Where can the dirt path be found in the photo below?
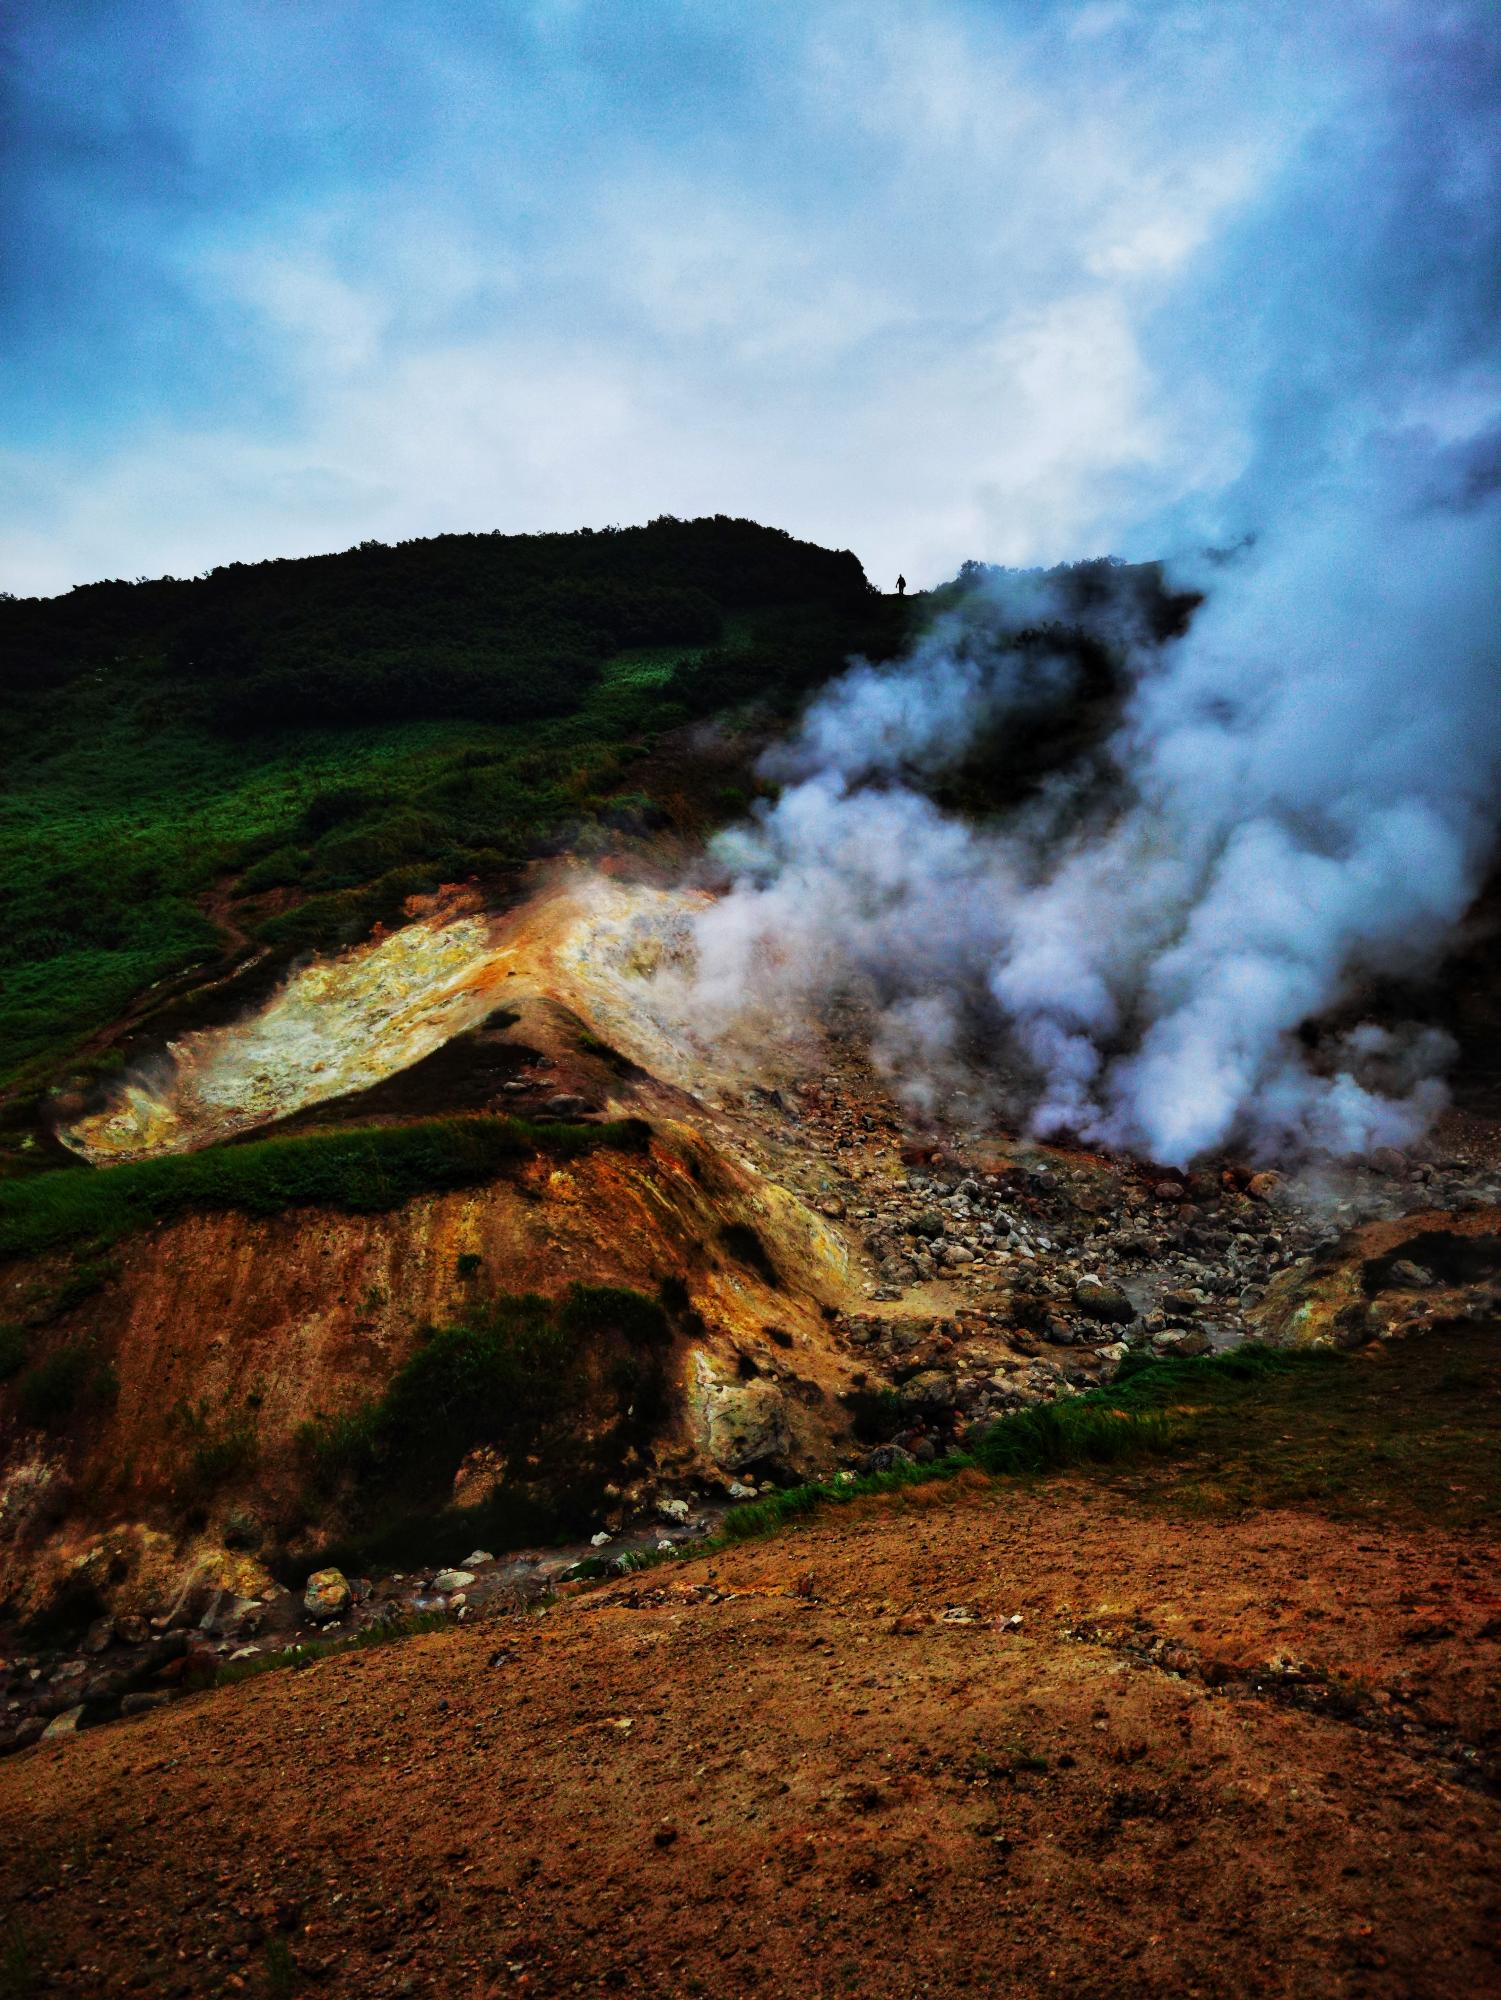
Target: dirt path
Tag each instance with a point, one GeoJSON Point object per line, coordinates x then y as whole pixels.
{"type": "Point", "coordinates": [1213, 1759]}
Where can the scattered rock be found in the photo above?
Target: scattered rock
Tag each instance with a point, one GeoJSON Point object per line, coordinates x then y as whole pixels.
{"type": "Point", "coordinates": [1406, 1276]}
{"type": "Point", "coordinates": [99, 1635]}
{"type": "Point", "coordinates": [326, 1596]}
{"type": "Point", "coordinates": [740, 1424]}
{"type": "Point", "coordinates": [933, 1389]}
{"type": "Point", "coordinates": [886, 1458]}
{"type": "Point", "coordinates": [142, 1704]}
{"type": "Point", "coordinates": [1104, 1302]}
{"type": "Point", "coordinates": [63, 1724]}
{"type": "Point", "coordinates": [456, 1579]}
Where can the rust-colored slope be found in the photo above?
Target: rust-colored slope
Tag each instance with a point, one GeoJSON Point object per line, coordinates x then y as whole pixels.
{"type": "Point", "coordinates": [785, 1772]}
{"type": "Point", "coordinates": [222, 1314]}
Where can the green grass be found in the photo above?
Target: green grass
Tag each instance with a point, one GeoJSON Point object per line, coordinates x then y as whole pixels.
{"type": "Point", "coordinates": [279, 1970]}
{"type": "Point", "coordinates": [1409, 1434]}
{"type": "Point", "coordinates": [645, 667]}
{"type": "Point", "coordinates": [220, 1448]}
{"type": "Point", "coordinates": [362, 1169]}
{"type": "Point", "coordinates": [308, 1652]}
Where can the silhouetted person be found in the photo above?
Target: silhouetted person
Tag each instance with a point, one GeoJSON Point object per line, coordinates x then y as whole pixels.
{"type": "Point", "coordinates": [901, 586]}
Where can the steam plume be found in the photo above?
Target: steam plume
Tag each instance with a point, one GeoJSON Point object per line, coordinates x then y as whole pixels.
{"type": "Point", "coordinates": [1302, 790]}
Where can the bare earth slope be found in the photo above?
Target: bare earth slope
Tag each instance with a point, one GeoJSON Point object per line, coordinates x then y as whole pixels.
{"type": "Point", "coordinates": [1215, 1757]}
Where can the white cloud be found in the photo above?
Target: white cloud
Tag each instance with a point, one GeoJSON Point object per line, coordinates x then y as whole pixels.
{"type": "Point", "coordinates": [905, 301]}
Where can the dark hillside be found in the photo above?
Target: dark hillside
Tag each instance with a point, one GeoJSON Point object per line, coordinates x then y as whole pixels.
{"type": "Point", "coordinates": [425, 627]}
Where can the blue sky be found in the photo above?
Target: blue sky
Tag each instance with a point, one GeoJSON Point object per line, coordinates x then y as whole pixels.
{"type": "Point", "coordinates": [942, 279]}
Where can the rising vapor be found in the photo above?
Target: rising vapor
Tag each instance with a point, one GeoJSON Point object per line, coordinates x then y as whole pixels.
{"type": "Point", "coordinates": [1300, 793]}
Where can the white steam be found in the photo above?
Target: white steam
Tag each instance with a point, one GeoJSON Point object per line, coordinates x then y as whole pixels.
{"type": "Point", "coordinates": [1301, 793]}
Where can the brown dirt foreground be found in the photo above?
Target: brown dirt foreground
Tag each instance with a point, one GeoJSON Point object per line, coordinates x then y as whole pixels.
{"type": "Point", "coordinates": [782, 1771]}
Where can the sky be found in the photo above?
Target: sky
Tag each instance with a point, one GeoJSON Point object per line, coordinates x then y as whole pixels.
{"type": "Point", "coordinates": [1001, 279]}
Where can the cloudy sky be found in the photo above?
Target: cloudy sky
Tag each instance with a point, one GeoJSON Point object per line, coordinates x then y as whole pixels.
{"type": "Point", "coordinates": [948, 278]}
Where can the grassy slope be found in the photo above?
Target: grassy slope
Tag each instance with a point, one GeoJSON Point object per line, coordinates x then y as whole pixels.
{"type": "Point", "coordinates": [369, 1168]}
{"type": "Point", "coordinates": [135, 817]}
{"type": "Point", "coordinates": [129, 791]}
{"type": "Point", "coordinates": [1413, 1437]}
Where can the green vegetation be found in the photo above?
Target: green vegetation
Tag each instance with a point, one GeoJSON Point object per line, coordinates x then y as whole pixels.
{"type": "Point", "coordinates": [362, 1168]}
{"type": "Point", "coordinates": [1092, 1429]}
{"type": "Point", "coordinates": [279, 1970]}
{"type": "Point", "coordinates": [1414, 1438]}
{"type": "Point", "coordinates": [308, 1652]}
{"type": "Point", "coordinates": [62, 1383]}
{"type": "Point", "coordinates": [79, 1283]}
{"type": "Point", "coordinates": [310, 743]}
{"type": "Point", "coordinates": [1410, 1434]}
{"type": "Point", "coordinates": [221, 1447]}
{"type": "Point", "coordinates": [513, 1376]}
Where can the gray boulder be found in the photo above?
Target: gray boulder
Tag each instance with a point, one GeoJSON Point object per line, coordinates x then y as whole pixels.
{"type": "Point", "coordinates": [1103, 1302]}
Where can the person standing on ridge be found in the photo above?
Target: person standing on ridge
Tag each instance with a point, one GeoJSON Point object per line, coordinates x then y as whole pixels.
{"type": "Point", "coordinates": [901, 586]}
